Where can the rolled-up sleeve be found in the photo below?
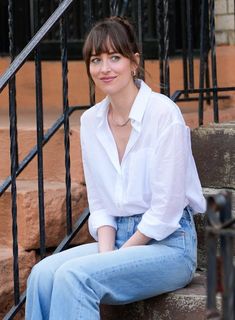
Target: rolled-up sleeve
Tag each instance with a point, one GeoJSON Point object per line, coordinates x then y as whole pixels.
{"type": "Point", "coordinates": [168, 183]}
{"type": "Point", "coordinates": [98, 215]}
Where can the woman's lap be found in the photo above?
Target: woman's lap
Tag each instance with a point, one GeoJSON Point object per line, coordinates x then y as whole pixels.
{"type": "Point", "coordinates": [132, 273]}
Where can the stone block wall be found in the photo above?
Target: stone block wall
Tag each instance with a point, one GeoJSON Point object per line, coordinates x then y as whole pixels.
{"type": "Point", "coordinates": [224, 22]}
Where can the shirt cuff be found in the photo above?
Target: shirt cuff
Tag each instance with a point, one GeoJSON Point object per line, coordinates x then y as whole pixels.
{"type": "Point", "coordinates": [157, 230]}
{"type": "Point", "coordinates": [99, 219]}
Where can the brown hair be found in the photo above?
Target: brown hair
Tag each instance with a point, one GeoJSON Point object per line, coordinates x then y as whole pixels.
{"type": "Point", "coordinates": [116, 32]}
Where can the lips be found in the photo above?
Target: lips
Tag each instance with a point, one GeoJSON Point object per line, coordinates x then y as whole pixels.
{"type": "Point", "coordinates": [107, 79]}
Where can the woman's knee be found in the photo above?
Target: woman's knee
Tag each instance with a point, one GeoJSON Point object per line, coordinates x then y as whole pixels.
{"type": "Point", "coordinates": [41, 274]}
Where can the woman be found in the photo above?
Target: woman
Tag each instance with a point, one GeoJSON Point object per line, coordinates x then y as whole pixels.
{"type": "Point", "coordinates": [142, 188]}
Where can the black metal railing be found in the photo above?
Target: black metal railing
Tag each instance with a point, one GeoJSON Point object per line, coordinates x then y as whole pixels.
{"type": "Point", "coordinates": [207, 90]}
{"type": "Point", "coordinates": [8, 78]}
{"type": "Point", "coordinates": [220, 249]}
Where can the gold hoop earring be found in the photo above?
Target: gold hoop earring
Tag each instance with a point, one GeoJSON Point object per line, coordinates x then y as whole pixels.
{"type": "Point", "coordinates": [133, 73]}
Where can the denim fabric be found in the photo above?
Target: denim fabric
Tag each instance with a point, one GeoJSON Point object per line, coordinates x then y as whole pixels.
{"type": "Point", "coordinates": [71, 285]}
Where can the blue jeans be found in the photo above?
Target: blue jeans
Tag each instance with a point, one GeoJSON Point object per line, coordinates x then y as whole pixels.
{"type": "Point", "coordinates": [71, 285]}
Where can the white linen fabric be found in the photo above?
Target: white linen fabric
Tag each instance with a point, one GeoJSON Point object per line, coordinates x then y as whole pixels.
{"type": "Point", "coordinates": [157, 175]}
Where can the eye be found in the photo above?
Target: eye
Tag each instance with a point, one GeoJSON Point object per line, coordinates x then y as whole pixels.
{"type": "Point", "coordinates": [115, 58]}
{"type": "Point", "coordinates": [95, 60]}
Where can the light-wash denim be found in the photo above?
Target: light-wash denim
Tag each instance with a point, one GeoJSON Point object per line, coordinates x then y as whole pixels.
{"type": "Point", "coordinates": [72, 284]}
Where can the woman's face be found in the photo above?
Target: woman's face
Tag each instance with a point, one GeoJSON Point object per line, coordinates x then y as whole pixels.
{"type": "Point", "coordinates": [111, 72]}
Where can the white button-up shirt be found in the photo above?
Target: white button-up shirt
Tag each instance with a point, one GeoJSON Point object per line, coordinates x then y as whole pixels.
{"type": "Point", "coordinates": [157, 175]}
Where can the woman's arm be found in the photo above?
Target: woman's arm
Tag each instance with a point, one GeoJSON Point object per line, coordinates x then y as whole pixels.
{"type": "Point", "coordinates": [137, 239]}
{"type": "Point", "coordinates": [106, 238]}
{"type": "Point", "coordinates": [99, 217]}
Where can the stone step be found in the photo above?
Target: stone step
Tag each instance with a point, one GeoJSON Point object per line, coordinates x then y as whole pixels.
{"type": "Point", "coordinates": [188, 303]}
{"type": "Point", "coordinates": [26, 262]}
{"type": "Point", "coordinates": [27, 213]}
{"type": "Point", "coordinates": [53, 153]}
{"type": "Point", "coordinates": [214, 152]}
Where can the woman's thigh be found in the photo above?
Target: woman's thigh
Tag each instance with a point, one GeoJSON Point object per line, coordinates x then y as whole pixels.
{"type": "Point", "coordinates": [53, 262]}
{"type": "Point", "coordinates": [130, 274]}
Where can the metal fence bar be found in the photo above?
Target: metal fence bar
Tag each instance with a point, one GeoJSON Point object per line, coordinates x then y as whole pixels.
{"type": "Point", "coordinates": [213, 60]}
{"type": "Point", "coordinates": [160, 29]}
{"type": "Point", "coordinates": [221, 226]}
{"type": "Point", "coordinates": [227, 263]}
{"type": "Point", "coordinates": [89, 21]}
{"type": "Point", "coordinates": [202, 61]}
{"type": "Point", "coordinates": [40, 134]}
{"type": "Point", "coordinates": [211, 275]}
{"type": "Point", "coordinates": [206, 53]}
{"type": "Point", "coordinates": [64, 60]}
{"type": "Point", "coordinates": [13, 153]}
{"type": "Point", "coordinates": [190, 43]}
{"type": "Point", "coordinates": [184, 46]}
{"type": "Point", "coordinates": [140, 33]}
{"type": "Point", "coordinates": [166, 48]}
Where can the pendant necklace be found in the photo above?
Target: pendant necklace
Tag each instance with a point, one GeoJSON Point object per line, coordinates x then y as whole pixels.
{"type": "Point", "coordinates": [118, 124]}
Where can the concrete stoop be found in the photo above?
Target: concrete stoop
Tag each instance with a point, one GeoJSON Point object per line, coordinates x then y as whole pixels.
{"type": "Point", "coordinates": [28, 213]}
{"type": "Point", "coordinates": [214, 152]}
{"type": "Point", "coordinates": [187, 303]}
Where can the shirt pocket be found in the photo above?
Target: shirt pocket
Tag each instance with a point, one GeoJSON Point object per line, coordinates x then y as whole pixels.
{"type": "Point", "coordinates": [138, 184]}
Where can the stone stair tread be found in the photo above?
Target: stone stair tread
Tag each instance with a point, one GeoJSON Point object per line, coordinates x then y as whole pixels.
{"type": "Point", "coordinates": [230, 124]}
{"type": "Point", "coordinates": [32, 185]}
{"type": "Point", "coordinates": [187, 303]}
{"type": "Point", "coordinates": [54, 213]}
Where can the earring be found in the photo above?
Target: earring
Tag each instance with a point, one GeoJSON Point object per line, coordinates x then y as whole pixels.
{"type": "Point", "coordinates": [133, 73]}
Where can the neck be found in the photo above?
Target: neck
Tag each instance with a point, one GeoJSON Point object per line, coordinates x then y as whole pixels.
{"type": "Point", "coordinates": [122, 102]}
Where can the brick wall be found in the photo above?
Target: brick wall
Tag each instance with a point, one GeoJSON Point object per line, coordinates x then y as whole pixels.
{"type": "Point", "coordinates": [224, 22]}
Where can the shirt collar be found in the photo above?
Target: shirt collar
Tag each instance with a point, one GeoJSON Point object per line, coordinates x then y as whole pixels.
{"type": "Point", "coordinates": [137, 110]}
{"type": "Point", "coordinates": [102, 110]}
{"type": "Point", "coordinates": [140, 104]}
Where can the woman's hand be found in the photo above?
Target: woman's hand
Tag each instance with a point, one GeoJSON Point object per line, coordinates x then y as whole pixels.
{"type": "Point", "coordinates": [106, 238]}
{"type": "Point", "coordinates": [137, 239]}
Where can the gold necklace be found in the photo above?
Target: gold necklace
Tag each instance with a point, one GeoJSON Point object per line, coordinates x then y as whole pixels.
{"type": "Point", "coordinates": [118, 124]}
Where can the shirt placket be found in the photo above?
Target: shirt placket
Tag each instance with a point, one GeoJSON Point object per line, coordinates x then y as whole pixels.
{"type": "Point", "coordinates": [119, 190]}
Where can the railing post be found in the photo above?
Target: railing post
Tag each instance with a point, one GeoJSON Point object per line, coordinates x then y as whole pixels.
{"type": "Point", "coordinates": [227, 263]}
{"type": "Point", "coordinates": [40, 133]}
{"type": "Point", "coordinates": [184, 46]}
{"type": "Point", "coordinates": [213, 60]}
{"type": "Point", "coordinates": [13, 151]}
{"type": "Point", "coordinates": [220, 278]}
{"type": "Point", "coordinates": [202, 61]}
{"type": "Point", "coordinates": [166, 48]}
{"type": "Point", "coordinates": [140, 32]}
{"type": "Point", "coordinates": [190, 42]}
{"type": "Point", "coordinates": [89, 20]}
{"type": "Point", "coordinates": [163, 44]}
{"type": "Point", "coordinates": [160, 30]}
{"type": "Point", "coordinates": [64, 61]}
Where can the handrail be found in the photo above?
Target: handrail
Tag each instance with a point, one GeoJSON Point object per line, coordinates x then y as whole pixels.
{"type": "Point", "coordinates": [28, 49]}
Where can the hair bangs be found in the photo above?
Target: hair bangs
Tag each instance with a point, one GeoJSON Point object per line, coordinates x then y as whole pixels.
{"type": "Point", "coordinates": [105, 41]}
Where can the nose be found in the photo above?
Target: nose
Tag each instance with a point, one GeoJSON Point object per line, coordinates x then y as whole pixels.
{"type": "Point", "coordinates": [105, 67]}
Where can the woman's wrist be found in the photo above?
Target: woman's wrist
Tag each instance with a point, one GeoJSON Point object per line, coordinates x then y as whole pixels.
{"type": "Point", "coordinates": [106, 238]}
{"type": "Point", "coordinates": [137, 239]}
